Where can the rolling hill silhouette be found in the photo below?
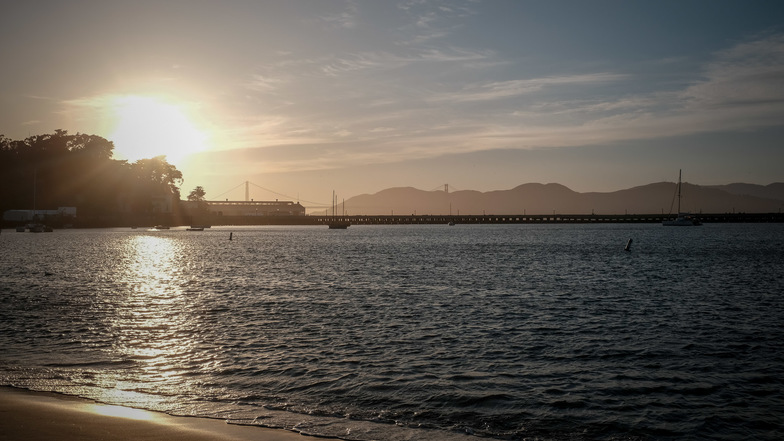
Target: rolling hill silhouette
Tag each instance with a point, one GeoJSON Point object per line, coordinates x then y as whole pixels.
{"type": "Point", "coordinates": [555, 198]}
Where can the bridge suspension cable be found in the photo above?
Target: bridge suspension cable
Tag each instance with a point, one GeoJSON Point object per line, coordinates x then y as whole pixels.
{"type": "Point", "coordinates": [227, 191]}
{"type": "Point", "coordinates": [287, 196]}
{"type": "Point", "coordinates": [311, 203]}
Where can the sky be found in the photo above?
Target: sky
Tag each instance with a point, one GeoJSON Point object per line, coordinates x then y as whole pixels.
{"type": "Point", "coordinates": [303, 98]}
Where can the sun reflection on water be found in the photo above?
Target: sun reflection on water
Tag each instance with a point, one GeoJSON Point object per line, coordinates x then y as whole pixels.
{"type": "Point", "coordinates": [121, 412]}
{"type": "Point", "coordinates": [150, 327]}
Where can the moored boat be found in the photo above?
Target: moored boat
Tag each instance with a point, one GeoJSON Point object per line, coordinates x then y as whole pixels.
{"type": "Point", "coordinates": [682, 219]}
{"type": "Point", "coordinates": [335, 222]}
{"type": "Point", "coordinates": [37, 228]}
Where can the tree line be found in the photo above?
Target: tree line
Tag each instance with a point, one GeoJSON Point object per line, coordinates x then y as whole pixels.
{"type": "Point", "coordinates": [64, 170]}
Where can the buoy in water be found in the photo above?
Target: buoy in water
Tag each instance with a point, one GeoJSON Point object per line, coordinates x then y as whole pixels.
{"type": "Point", "coordinates": [628, 246]}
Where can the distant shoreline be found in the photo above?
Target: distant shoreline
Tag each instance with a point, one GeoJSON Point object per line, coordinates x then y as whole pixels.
{"type": "Point", "coordinates": [425, 219]}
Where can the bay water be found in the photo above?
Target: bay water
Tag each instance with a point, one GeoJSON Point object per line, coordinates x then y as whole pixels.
{"type": "Point", "coordinates": [417, 332]}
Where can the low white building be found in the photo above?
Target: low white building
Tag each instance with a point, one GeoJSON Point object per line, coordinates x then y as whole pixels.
{"type": "Point", "coordinates": [29, 215]}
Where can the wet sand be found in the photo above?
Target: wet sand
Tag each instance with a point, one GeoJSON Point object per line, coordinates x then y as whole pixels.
{"type": "Point", "coordinates": [33, 416]}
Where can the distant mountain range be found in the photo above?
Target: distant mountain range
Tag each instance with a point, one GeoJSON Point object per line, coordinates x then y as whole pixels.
{"type": "Point", "coordinates": [556, 198]}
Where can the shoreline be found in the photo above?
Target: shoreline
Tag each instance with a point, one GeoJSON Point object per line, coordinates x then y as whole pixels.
{"type": "Point", "coordinates": [436, 219]}
{"type": "Point", "coordinates": [32, 415]}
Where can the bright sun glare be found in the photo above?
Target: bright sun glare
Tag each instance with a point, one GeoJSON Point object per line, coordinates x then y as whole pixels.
{"type": "Point", "coordinates": [147, 127]}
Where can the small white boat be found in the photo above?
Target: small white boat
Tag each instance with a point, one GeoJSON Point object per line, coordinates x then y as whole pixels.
{"type": "Point", "coordinates": [683, 220]}
{"type": "Point", "coordinates": [338, 225]}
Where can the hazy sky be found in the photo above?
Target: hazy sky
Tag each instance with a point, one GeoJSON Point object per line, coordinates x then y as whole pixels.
{"type": "Point", "coordinates": [306, 97]}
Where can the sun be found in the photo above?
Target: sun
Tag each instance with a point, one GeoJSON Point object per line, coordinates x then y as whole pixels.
{"type": "Point", "coordinates": [147, 127]}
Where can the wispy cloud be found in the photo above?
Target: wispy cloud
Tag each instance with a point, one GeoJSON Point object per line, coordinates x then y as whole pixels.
{"type": "Point", "coordinates": [432, 20]}
{"type": "Point", "coordinates": [346, 19]}
{"type": "Point", "coordinates": [384, 106]}
{"type": "Point", "coordinates": [747, 74]}
{"type": "Point", "coordinates": [262, 83]}
{"type": "Point", "coordinates": [512, 88]}
{"type": "Point", "coordinates": [42, 98]}
{"type": "Point", "coordinates": [82, 107]}
{"type": "Point", "coordinates": [333, 65]}
{"type": "Point", "coordinates": [741, 88]}
{"type": "Point", "coordinates": [452, 54]}
{"type": "Point", "coordinates": [357, 62]}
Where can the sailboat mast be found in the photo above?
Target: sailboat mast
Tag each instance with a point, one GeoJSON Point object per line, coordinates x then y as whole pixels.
{"type": "Point", "coordinates": [679, 190]}
{"type": "Point", "coordinates": [35, 191]}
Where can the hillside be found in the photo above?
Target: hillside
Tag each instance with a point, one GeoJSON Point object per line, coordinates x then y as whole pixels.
{"type": "Point", "coordinates": [548, 198]}
{"type": "Point", "coordinates": [771, 191]}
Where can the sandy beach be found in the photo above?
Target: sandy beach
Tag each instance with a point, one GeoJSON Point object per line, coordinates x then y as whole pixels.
{"type": "Point", "coordinates": [26, 415]}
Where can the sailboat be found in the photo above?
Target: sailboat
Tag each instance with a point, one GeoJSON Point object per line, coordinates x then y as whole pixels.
{"type": "Point", "coordinates": [683, 219]}
{"type": "Point", "coordinates": [336, 223]}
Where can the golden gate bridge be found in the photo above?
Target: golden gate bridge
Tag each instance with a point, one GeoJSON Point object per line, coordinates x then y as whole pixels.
{"type": "Point", "coordinates": [310, 204]}
{"type": "Point", "coordinates": [248, 184]}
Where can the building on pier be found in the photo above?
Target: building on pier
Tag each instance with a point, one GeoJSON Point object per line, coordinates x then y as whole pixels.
{"type": "Point", "coordinates": [254, 208]}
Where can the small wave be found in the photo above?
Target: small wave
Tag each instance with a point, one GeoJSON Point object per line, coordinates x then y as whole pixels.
{"type": "Point", "coordinates": [568, 404]}
{"type": "Point", "coordinates": [697, 390]}
{"type": "Point", "coordinates": [91, 364]}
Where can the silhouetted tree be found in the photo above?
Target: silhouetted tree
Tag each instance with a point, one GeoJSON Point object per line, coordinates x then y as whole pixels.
{"type": "Point", "coordinates": [58, 166]}
{"type": "Point", "coordinates": [197, 194]}
{"type": "Point", "coordinates": [159, 175]}
{"type": "Point", "coordinates": [59, 169]}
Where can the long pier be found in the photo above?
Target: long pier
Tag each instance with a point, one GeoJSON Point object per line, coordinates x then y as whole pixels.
{"type": "Point", "coordinates": [549, 219]}
{"type": "Point", "coordinates": [493, 219]}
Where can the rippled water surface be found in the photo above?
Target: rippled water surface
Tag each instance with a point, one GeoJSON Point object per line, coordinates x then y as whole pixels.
{"type": "Point", "coordinates": [411, 332]}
